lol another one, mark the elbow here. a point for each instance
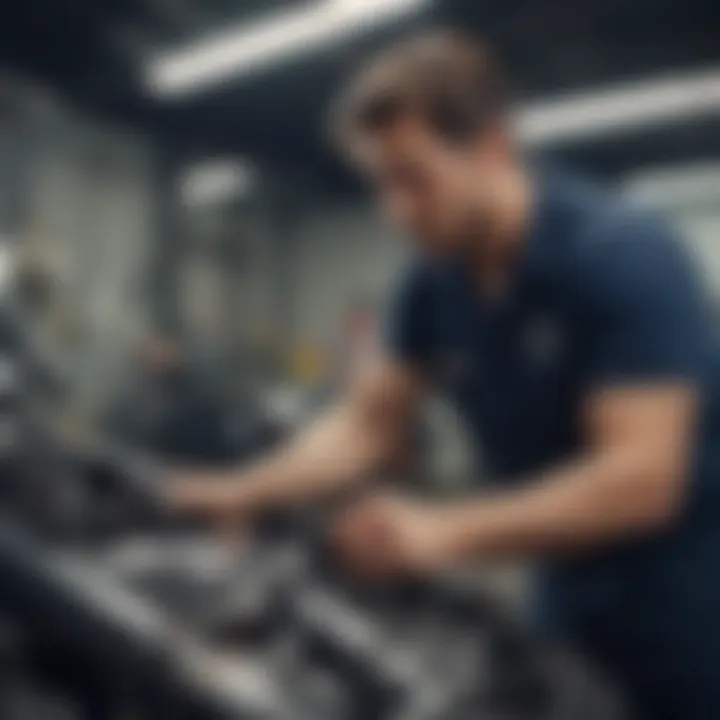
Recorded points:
(390, 452)
(659, 494)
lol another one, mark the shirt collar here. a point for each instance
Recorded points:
(533, 253)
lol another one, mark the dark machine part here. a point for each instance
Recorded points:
(67, 489)
(37, 482)
(114, 648)
(432, 651)
(422, 650)
(304, 642)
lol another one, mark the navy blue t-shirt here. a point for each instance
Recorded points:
(604, 294)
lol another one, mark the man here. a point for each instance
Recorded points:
(572, 334)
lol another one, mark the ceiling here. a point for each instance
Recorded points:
(93, 51)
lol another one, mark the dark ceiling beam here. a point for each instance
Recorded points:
(177, 17)
(92, 49)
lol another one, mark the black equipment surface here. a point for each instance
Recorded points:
(173, 624)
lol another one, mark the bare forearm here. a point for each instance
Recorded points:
(582, 505)
(333, 453)
(339, 449)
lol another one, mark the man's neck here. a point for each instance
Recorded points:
(499, 246)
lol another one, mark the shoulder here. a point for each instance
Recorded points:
(417, 274)
(630, 252)
(615, 247)
(599, 221)
(622, 231)
(414, 287)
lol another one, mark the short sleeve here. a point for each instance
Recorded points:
(407, 328)
(648, 316)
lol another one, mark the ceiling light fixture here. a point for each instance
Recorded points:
(243, 50)
(625, 107)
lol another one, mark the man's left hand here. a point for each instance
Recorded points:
(389, 536)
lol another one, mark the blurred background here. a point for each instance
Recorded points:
(187, 269)
(167, 185)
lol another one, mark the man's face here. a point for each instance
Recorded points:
(434, 189)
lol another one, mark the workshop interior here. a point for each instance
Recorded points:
(189, 272)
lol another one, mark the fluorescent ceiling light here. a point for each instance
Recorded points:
(678, 185)
(240, 51)
(628, 106)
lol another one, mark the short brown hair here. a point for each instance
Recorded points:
(451, 80)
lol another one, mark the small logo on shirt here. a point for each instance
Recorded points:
(454, 367)
(543, 340)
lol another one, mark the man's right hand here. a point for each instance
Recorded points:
(207, 496)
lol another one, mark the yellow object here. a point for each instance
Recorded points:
(306, 363)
